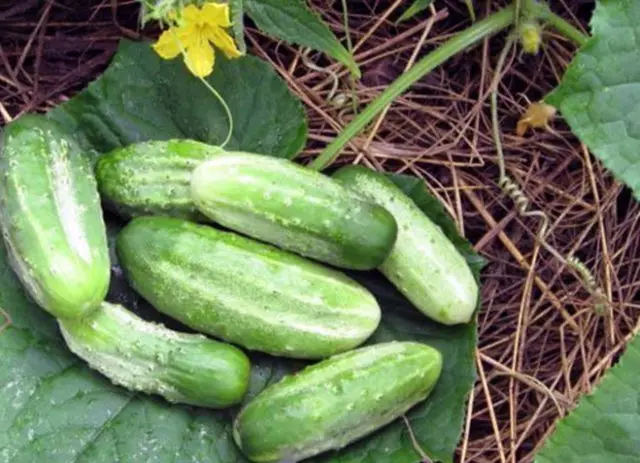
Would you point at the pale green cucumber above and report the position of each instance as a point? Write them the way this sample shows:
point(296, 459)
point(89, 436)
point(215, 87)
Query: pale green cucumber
point(297, 209)
point(244, 291)
point(147, 357)
point(337, 401)
point(152, 178)
point(51, 218)
point(424, 264)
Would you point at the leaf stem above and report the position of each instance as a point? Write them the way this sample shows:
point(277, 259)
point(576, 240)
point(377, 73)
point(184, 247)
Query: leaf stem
point(458, 43)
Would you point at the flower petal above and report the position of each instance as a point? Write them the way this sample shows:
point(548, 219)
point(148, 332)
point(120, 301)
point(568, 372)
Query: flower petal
point(167, 46)
point(221, 39)
point(216, 14)
point(175, 39)
point(191, 14)
point(200, 58)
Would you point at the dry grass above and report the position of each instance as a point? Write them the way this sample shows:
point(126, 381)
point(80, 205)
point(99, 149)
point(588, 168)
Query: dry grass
point(541, 345)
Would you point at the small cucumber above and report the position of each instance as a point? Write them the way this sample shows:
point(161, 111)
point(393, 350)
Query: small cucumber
point(297, 209)
point(424, 265)
point(337, 401)
point(51, 218)
point(244, 291)
point(147, 357)
point(152, 178)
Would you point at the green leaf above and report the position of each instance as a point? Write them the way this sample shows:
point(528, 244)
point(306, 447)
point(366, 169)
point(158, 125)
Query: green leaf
point(58, 410)
point(294, 22)
point(142, 97)
point(599, 95)
point(416, 7)
point(605, 425)
point(237, 17)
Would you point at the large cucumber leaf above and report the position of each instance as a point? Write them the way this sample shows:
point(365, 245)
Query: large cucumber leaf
point(599, 95)
point(142, 97)
point(605, 427)
point(55, 409)
point(292, 21)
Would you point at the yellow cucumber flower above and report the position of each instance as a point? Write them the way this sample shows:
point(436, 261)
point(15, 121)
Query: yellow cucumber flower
point(195, 33)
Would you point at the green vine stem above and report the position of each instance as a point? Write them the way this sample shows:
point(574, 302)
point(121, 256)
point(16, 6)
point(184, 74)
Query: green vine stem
point(542, 12)
point(462, 41)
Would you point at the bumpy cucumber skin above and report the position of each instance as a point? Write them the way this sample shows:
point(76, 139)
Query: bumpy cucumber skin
point(337, 401)
point(244, 291)
point(424, 265)
point(297, 209)
point(51, 218)
point(152, 178)
point(147, 357)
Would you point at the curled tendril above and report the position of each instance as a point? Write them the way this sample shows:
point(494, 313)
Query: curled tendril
point(513, 191)
point(522, 203)
point(333, 93)
point(600, 300)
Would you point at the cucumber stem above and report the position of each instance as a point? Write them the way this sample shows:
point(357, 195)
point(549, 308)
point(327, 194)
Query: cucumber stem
point(458, 43)
point(542, 11)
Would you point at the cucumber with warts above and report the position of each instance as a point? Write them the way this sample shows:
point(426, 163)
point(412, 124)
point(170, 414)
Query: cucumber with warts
point(294, 208)
point(337, 401)
point(424, 264)
point(147, 357)
point(244, 291)
point(51, 218)
point(152, 178)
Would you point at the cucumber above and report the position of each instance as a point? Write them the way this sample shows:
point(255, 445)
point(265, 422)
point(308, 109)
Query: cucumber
point(424, 265)
point(147, 357)
point(152, 178)
point(51, 219)
point(244, 291)
point(337, 401)
point(297, 209)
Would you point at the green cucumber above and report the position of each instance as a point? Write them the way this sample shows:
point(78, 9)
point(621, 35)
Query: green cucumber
point(337, 401)
point(147, 357)
point(152, 178)
point(297, 209)
point(51, 218)
point(424, 264)
point(244, 291)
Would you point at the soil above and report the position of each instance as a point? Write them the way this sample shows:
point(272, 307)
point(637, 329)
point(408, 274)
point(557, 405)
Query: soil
point(542, 344)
